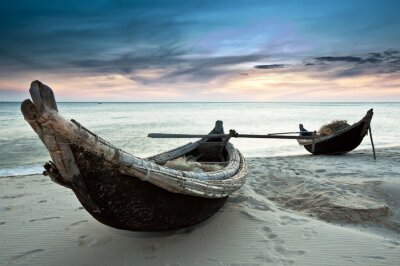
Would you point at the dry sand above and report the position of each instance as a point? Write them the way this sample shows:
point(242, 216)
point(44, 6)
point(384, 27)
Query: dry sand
point(302, 210)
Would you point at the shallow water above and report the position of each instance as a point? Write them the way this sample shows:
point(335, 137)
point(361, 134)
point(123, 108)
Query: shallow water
point(127, 124)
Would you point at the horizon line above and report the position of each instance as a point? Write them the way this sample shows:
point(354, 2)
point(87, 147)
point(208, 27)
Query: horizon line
point(101, 102)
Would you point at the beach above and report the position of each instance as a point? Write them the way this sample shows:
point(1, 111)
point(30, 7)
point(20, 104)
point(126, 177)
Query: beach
point(212, 117)
point(293, 210)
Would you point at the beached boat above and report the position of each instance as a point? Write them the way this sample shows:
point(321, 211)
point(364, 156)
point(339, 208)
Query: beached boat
point(342, 141)
point(127, 192)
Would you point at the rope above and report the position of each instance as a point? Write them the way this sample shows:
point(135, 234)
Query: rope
point(146, 177)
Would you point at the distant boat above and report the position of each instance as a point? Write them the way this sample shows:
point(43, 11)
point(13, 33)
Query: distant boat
point(339, 142)
point(127, 192)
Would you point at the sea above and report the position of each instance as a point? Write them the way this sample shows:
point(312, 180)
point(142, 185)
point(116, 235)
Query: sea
point(126, 125)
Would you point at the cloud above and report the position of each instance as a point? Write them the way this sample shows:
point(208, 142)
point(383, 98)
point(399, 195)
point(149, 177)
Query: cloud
point(339, 59)
point(112, 37)
point(207, 68)
point(375, 63)
point(49, 37)
point(188, 45)
point(272, 66)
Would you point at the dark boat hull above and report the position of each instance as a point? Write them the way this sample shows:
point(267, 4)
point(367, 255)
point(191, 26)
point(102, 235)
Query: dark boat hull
point(126, 202)
point(344, 142)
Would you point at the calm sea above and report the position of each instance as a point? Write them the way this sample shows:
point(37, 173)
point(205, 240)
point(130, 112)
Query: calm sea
point(127, 124)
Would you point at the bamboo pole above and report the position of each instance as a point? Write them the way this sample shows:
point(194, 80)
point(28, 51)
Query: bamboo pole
point(253, 136)
point(372, 141)
point(313, 141)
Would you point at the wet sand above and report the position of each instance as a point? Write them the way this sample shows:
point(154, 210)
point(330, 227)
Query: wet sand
point(301, 210)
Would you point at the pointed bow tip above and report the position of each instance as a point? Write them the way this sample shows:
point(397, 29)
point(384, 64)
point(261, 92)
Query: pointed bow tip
point(36, 83)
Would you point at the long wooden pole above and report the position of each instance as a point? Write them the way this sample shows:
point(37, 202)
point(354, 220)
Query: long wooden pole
point(268, 136)
point(313, 141)
point(372, 141)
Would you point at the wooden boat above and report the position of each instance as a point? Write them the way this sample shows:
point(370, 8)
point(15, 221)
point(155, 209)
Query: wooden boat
point(342, 141)
point(127, 192)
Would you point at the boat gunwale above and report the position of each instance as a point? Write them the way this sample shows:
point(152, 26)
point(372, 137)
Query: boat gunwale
point(170, 179)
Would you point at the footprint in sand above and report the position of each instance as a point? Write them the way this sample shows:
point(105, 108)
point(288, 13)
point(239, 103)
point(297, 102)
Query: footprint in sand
point(258, 204)
point(264, 229)
point(90, 241)
point(288, 252)
point(45, 218)
point(269, 235)
point(347, 259)
point(285, 220)
point(259, 191)
point(75, 225)
point(309, 232)
point(7, 208)
point(283, 254)
point(149, 251)
point(390, 244)
point(13, 196)
point(238, 199)
point(263, 259)
point(376, 257)
point(250, 217)
point(272, 235)
point(27, 255)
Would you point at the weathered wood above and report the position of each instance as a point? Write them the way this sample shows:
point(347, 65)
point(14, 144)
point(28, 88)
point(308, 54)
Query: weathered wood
point(60, 152)
point(58, 147)
point(313, 141)
point(131, 204)
point(29, 112)
point(170, 179)
point(254, 136)
point(372, 141)
point(110, 183)
point(42, 96)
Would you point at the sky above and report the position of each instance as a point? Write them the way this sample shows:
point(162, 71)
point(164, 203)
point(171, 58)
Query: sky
point(189, 50)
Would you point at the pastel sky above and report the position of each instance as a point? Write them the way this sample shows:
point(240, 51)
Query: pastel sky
point(207, 50)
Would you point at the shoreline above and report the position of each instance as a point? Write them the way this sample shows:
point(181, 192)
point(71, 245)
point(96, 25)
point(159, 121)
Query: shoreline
point(301, 210)
point(301, 152)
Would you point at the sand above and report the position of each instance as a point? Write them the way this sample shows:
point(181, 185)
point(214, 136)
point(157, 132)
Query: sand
point(301, 210)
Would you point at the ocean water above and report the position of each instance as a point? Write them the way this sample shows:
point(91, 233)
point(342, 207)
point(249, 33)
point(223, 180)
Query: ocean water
point(127, 124)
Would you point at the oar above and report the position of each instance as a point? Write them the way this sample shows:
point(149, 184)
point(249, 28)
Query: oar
point(232, 134)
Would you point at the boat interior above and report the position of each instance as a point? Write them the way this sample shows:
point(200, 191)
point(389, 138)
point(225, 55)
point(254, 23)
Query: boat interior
point(210, 151)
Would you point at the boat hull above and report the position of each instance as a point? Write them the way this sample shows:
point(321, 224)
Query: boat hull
point(341, 143)
point(126, 202)
point(127, 192)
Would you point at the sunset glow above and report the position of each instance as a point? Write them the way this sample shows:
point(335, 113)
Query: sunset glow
point(192, 51)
